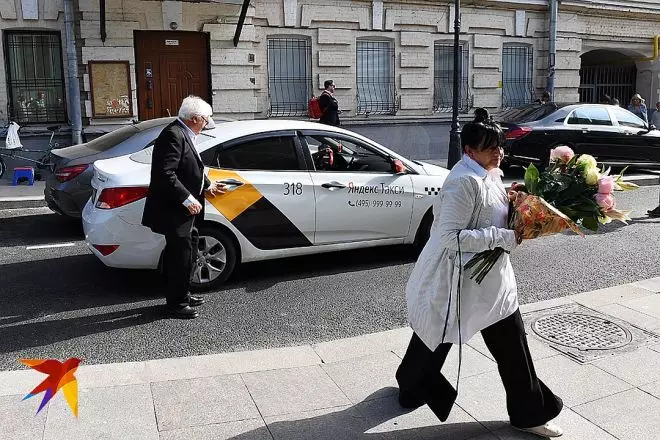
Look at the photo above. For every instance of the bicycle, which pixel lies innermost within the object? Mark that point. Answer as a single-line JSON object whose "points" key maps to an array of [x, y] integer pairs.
{"points": [[43, 162]]}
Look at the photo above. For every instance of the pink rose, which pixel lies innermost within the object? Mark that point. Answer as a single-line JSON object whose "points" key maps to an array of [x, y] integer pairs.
{"points": [[606, 185], [605, 201], [561, 153]]}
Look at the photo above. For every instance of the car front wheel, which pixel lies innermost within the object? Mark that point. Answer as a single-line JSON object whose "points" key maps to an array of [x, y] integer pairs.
{"points": [[216, 259]]}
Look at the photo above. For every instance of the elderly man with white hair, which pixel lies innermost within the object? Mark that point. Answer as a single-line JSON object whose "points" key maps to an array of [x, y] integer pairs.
{"points": [[176, 198]]}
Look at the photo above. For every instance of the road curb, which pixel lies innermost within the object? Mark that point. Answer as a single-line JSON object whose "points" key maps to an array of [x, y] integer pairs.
{"points": [[22, 202]]}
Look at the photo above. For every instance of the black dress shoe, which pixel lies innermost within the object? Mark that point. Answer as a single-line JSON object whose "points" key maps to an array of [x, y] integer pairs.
{"points": [[182, 312], [654, 213], [195, 301]]}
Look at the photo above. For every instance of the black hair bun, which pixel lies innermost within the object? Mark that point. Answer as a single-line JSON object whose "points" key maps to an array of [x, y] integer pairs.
{"points": [[481, 115]]}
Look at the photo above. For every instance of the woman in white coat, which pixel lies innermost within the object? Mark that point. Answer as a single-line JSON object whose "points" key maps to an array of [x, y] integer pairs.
{"points": [[446, 307]]}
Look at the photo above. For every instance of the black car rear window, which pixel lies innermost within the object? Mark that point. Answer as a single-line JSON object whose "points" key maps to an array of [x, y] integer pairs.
{"points": [[528, 113], [111, 139]]}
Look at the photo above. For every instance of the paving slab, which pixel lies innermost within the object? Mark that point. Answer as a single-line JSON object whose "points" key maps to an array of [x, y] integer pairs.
{"points": [[121, 413], [344, 422], [472, 364], [484, 399], [630, 415], [652, 388], [617, 294], [546, 304], [392, 340], [19, 420], [388, 420], [639, 367], [19, 381], [575, 427], [638, 319], [366, 377], [108, 375], [293, 390], [230, 363], [652, 284], [649, 305], [194, 402], [576, 383], [251, 429]]}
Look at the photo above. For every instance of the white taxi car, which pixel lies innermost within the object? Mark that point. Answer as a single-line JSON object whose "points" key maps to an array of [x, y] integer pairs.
{"points": [[296, 188]]}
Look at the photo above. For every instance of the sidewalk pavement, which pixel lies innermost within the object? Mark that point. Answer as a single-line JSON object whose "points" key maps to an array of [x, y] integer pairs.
{"points": [[345, 389]]}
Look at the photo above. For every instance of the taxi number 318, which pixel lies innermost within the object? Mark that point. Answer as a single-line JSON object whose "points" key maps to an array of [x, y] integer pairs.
{"points": [[293, 189]]}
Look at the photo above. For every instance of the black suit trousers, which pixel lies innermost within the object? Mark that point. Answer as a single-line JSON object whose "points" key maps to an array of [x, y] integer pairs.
{"points": [[180, 254], [529, 401]]}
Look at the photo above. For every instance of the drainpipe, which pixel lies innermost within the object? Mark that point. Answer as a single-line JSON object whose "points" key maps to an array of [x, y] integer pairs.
{"points": [[552, 47], [653, 59], [74, 84]]}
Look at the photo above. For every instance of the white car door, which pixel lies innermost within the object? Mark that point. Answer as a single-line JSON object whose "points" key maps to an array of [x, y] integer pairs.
{"points": [[358, 195], [271, 197]]}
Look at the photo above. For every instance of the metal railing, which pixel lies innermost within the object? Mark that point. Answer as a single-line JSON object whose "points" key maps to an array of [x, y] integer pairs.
{"points": [[615, 81], [35, 79], [443, 79], [517, 75], [376, 93], [289, 76]]}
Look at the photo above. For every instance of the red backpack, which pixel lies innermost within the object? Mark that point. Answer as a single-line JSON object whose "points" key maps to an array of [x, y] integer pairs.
{"points": [[314, 108]]}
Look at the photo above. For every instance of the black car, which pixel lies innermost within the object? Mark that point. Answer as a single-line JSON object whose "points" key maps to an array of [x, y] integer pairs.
{"points": [[610, 133]]}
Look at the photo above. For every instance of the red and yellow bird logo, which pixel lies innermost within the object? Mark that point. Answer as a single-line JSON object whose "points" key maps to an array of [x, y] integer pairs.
{"points": [[60, 376]]}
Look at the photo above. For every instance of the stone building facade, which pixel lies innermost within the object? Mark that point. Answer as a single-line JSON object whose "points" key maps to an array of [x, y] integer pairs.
{"points": [[390, 59]]}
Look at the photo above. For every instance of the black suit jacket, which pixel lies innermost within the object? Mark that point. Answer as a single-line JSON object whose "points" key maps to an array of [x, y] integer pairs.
{"points": [[330, 108], [177, 171]]}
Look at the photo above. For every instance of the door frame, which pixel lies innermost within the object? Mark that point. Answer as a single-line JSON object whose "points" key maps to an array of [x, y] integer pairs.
{"points": [[207, 38]]}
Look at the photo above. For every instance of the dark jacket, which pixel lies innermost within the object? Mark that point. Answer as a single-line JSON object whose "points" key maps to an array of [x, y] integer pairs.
{"points": [[330, 108], [176, 172]]}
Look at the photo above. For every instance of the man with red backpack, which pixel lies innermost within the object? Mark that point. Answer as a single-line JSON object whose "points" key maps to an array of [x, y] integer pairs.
{"points": [[329, 105]]}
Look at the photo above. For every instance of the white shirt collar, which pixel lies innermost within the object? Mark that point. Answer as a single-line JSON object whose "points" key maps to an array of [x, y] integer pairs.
{"points": [[191, 133]]}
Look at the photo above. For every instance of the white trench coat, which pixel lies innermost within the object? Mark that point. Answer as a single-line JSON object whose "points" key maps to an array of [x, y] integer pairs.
{"points": [[470, 202]]}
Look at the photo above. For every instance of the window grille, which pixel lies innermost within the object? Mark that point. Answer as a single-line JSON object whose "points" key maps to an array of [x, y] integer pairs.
{"points": [[35, 78], [614, 81], [289, 76], [517, 75], [443, 79], [375, 78]]}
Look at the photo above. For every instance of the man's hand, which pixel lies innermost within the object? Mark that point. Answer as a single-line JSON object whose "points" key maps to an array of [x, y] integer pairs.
{"points": [[194, 208], [216, 188]]}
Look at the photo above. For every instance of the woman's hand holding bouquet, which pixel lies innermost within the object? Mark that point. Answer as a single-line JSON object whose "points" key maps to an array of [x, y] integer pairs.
{"points": [[571, 191]]}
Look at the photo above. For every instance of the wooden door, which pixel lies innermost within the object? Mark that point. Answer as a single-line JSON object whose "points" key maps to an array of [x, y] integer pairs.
{"points": [[170, 66]]}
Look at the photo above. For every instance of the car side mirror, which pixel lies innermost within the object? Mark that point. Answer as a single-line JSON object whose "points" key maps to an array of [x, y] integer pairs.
{"points": [[399, 167]]}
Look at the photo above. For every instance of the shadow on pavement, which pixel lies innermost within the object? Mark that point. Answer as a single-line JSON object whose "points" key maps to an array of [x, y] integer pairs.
{"points": [[38, 229], [33, 289], [43, 333], [374, 418], [262, 275]]}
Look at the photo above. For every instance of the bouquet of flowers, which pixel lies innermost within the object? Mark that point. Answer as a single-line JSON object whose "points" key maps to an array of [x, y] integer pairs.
{"points": [[571, 191]]}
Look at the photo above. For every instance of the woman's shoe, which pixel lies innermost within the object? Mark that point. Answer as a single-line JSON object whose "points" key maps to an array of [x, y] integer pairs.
{"points": [[654, 213], [547, 430]]}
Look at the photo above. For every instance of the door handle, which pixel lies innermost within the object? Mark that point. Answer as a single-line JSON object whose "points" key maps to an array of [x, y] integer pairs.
{"points": [[231, 183], [333, 185]]}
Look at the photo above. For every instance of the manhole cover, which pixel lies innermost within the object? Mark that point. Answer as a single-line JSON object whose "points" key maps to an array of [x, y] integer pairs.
{"points": [[583, 332]]}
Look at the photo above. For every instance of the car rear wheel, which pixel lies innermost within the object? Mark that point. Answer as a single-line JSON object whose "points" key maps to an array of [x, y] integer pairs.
{"points": [[3, 167], [216, 259], [423, 232]]}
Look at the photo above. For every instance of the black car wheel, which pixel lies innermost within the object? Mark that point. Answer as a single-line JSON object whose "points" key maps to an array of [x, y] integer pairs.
{"points": [[3, 167], [216, 259], [424, 231]]}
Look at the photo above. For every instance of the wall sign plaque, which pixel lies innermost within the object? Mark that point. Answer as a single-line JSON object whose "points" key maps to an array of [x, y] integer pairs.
{"points": [[110, 85]]}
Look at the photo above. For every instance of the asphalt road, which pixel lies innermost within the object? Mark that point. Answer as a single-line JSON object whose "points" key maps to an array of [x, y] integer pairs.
{"points": [[62, 302]]}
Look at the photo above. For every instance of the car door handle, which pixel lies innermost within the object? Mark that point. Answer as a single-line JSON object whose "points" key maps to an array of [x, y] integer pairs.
{"points": [[333, 185], [231, 183]]}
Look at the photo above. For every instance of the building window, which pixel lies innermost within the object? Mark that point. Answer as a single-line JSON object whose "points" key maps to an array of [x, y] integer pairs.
{"points": [[517, 75], [443, 78], [375, 78], [289, 76], [35, 78]]}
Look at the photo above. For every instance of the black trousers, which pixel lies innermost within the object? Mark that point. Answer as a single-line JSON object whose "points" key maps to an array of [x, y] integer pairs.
{"points": [[180, 255], [529, 401]]}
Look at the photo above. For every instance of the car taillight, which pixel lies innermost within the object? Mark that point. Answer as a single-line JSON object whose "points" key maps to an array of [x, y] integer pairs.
{"points": [[517, 133], [111, 198], [106, 249], [67, 173]]}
